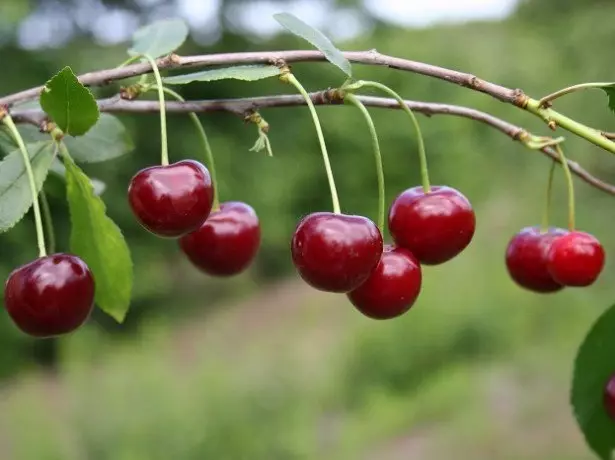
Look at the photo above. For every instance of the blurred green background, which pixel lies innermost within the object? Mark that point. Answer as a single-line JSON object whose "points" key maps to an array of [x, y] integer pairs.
{"points": [[261, 366]]}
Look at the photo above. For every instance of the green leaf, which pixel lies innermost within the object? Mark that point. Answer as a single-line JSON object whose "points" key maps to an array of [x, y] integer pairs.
{"points": [[15, 194], [610, 92], [316, 38], [240, 72], [69, 104], [107, 139], [100, 243], [60, 171], [159, 38], [594, 365], [29, 134]]}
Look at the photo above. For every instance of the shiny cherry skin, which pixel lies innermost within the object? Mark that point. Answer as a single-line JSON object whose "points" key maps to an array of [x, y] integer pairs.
{"points": [[526, 259], [609, 397], [50, 296], [393, 286], [227, 242], [576, 259], [435, 226], [172, 200], [336, 252]]}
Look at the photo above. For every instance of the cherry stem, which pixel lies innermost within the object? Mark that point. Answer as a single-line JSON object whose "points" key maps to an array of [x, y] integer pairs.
{"points": [[415, 122], [38, 221], [571, 89], [164, 155], [569, 183], [290, 78], [206, 146], [352, 99], [48, 220], [547, 210], [130, 60]]}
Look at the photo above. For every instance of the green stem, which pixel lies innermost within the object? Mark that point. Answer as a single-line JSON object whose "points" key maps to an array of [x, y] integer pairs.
{"points": [[130, 60], [547, 210], [352, 99], [206, 146], [570, 184], [163, 116], [38, 222], [290, 78], [592, 135], [415, 122], [572, 89], [48, 220]]}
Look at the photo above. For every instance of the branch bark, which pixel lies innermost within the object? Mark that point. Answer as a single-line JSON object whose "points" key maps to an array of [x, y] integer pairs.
{"points": [[244, 106]]}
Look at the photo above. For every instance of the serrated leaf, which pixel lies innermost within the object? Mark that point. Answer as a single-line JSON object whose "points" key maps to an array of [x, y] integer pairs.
{"points": [[610, 92], [100, 243], [107, 139], [315, 37], [15, 194], [159, 38], [240, 72], [69, 104], [594, 365], [60, 171]]}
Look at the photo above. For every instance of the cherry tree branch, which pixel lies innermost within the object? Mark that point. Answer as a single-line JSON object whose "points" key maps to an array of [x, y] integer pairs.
{"points": [[243, 107]]}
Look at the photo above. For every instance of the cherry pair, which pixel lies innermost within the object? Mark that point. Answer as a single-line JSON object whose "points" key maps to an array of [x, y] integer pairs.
{"points": [[345, 254], [175, 201], [547, 261]]}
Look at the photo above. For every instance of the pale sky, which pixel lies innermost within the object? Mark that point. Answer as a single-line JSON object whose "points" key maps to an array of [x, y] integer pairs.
{"points": [[51, 28]]}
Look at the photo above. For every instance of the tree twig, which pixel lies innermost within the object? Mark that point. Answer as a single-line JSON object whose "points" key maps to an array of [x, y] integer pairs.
{"points": [[243, 106]]}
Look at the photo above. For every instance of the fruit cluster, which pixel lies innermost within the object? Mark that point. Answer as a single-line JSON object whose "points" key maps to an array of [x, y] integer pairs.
{"points": [[54, 295], [546, 261], [346, 254]]}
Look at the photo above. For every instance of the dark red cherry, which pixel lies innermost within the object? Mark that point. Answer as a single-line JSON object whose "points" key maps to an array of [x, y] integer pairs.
{"points": [[434, 226], [576, 259], [336, 252], [172, 200], [393, 286], [227, 242], [50, 296], [526, 259], [609, 397]]}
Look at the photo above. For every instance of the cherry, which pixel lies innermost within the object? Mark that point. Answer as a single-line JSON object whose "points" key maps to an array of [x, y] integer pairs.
{"points": [[336, 252], [435, 226], [50, 296], [609, 397], [526, 259], [393, 286], [172, 200], [575, 259], [227, 242]]}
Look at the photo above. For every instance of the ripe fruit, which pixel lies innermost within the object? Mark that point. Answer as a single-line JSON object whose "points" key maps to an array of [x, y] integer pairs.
{"points": [[227, 242], [50, 296], [336, 252], [575, 259], [609, 397], [526, 259], [172, 200], [393, 286], [434, 226]]}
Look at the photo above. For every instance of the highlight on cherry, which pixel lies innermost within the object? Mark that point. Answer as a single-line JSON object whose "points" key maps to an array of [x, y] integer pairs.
{"points": [[378, 266]]}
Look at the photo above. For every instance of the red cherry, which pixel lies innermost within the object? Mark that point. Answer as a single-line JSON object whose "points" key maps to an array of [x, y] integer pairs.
{"points": [[609, 397], [172, 200], [336, 252], [50, 296], [434, 226], [393, 286], [526, 259], [575, 259], [227, 242]]}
